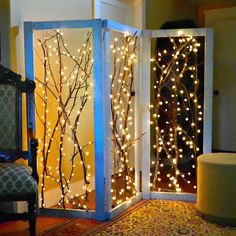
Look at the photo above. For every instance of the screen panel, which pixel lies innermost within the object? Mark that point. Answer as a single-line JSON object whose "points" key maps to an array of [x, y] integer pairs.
{"points": [[177, 97], [65, 126], [123, 60]]}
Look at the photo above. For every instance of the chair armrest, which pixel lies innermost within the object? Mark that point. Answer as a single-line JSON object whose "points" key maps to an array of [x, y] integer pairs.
{"points": [[33, 157]]}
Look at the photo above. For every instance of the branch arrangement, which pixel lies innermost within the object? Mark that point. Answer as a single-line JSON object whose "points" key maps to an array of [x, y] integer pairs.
{"points": [[65, 83], [177, 113], [124, 57]]}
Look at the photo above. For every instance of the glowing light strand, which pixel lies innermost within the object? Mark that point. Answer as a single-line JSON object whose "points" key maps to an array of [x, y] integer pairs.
{"points": [[124, 55], [68, 87], [176, 114]]}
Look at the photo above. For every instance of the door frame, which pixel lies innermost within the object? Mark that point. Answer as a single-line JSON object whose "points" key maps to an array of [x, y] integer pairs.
{"points": [[214, 8], [208, 7]]}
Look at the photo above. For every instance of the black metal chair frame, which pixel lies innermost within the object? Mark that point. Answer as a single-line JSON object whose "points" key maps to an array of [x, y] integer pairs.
{"points": [[10, 78]]}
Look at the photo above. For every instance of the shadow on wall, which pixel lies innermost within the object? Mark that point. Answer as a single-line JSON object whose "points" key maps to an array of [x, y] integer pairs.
{"points": [[158, 12]]}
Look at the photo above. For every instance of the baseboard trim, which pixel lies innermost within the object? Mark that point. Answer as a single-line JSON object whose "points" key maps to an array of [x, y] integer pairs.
{"points": [[189, 197], [52, 196]]}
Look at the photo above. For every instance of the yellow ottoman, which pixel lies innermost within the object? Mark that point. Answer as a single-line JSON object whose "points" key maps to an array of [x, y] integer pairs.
{"points": [[216, 191]]}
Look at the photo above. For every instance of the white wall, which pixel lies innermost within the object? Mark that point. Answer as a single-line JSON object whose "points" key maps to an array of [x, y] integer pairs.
{"points": [[44, 10], [139, 13], [129, 12], [160, 11], [126, 11]]}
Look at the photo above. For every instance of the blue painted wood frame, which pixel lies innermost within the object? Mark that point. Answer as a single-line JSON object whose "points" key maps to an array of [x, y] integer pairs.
{"points": [[107, 114], [108, 27], [99, 123], [116, 26], [67, 24], [96, 26], [101, 91]]}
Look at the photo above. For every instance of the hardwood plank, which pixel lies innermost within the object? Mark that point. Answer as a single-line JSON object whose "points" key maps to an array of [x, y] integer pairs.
{"points": [[21, 228]]}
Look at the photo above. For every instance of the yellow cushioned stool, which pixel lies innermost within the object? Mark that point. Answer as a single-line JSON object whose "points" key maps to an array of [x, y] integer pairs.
{"points": [[216, 192]]}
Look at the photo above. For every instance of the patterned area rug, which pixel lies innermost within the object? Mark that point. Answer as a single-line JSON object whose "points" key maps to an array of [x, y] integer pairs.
{"points": [[154, 217]]}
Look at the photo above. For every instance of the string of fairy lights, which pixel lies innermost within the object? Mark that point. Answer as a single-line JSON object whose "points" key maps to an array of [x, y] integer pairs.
{"points": [[65, 83], [123, 59], [63, 91], [176, 113]]}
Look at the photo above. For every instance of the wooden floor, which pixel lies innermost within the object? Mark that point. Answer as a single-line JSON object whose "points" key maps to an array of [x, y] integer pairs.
{"points": [[20, 228]]}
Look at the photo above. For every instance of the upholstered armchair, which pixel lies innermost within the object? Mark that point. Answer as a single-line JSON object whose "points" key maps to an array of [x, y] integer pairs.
{"points": [[18, 182]]}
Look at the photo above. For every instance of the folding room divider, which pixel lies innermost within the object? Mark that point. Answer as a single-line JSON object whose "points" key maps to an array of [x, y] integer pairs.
{"points": [[94, 113]]}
